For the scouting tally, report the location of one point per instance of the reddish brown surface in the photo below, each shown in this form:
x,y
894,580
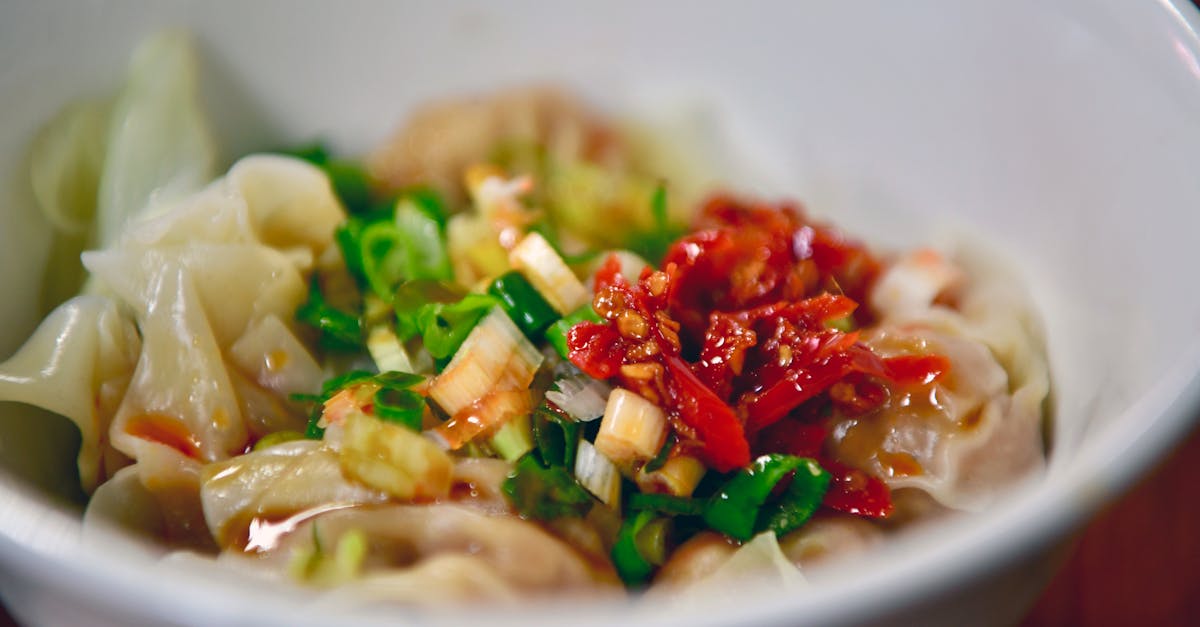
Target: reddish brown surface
x,y
1139,562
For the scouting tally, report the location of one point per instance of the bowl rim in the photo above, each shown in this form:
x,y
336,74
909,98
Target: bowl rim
x,y
99,574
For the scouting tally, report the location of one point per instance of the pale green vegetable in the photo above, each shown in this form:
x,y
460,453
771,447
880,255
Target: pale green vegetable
x,y
160,148
495,356
598,474
65,163
548,273
760,559
386,350
514,438
318,567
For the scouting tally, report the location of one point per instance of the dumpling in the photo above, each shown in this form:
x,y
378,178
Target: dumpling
x,y
208,281
274,483
181,394
270,353
78,364
479,557
967,436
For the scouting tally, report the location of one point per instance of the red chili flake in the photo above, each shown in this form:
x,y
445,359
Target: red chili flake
x,y
855,492
725,446
595,349
733,338
748,255
916,369
793,437
660,375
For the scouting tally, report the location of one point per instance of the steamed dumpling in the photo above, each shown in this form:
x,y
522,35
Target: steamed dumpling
x,y
182,296
275,483
977,428
78,364
478,557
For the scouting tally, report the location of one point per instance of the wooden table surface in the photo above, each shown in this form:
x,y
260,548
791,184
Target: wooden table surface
x,y
1138,563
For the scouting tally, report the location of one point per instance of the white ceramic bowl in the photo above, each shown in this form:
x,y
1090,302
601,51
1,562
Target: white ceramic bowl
x,y
1065,133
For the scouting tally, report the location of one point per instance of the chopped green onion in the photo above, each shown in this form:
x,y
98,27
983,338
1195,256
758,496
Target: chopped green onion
x,y
386,350
658,206
411,296
667,504
391,380
598,474
424,242
845,324
651,541
734,509
557,437
739,508
401,406
397,241
557,333
634,563
347,237
653,244
632,430
664,453
381,247
333,385
444,327
514,439
544,493
803,497
428,202
523,304
351,184
579,396
313,429
398,380
439,313
315,153
339,330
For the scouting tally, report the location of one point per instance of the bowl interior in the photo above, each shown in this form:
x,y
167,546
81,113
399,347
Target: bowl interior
x,y
1062,135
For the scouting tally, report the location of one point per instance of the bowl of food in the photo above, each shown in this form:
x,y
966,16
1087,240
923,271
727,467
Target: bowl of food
x,y
429,314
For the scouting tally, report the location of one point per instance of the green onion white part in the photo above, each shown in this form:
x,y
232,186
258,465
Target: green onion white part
x,y
495,356
598,474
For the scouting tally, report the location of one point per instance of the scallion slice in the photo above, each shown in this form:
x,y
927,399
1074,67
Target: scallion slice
x,y
667,504
523,304
544,493
424,241
640,541
339,330
445,326
556,436
401,406
739,509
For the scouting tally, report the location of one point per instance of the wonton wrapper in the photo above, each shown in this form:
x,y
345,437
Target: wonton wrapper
x,y
985,430
475,556
78,364
205,281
